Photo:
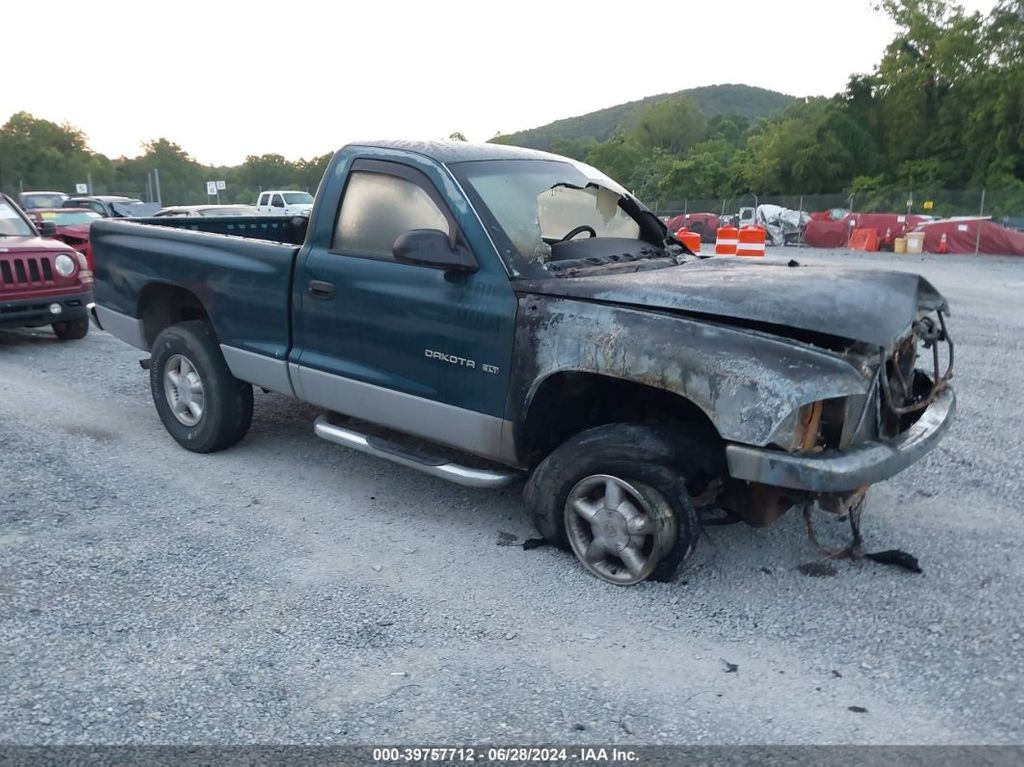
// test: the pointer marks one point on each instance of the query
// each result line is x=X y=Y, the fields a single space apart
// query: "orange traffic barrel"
x=689 y=239
x=751 y=241
x=726 y=241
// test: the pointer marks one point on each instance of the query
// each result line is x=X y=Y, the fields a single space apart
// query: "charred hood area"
x=869 y=306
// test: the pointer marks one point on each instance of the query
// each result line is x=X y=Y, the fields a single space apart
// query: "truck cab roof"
x=461 y=151
x=452 y=152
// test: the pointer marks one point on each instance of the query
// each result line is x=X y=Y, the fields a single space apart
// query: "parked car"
x=484 y=312
x=71 y=225
x=207 y=210
x=42 y=281
x=284 y=203
x=113 y=206
x=30 y=200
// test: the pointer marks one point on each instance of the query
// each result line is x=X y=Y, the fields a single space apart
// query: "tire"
x=216 y=414
x=71 y=330
x=651 y=466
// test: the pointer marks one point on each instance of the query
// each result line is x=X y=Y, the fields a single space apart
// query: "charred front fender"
x=746 y=383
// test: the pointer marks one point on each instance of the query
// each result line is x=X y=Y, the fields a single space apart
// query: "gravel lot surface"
x=291 y=591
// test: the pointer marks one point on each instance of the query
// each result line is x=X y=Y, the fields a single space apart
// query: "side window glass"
x=277 y=202
x=377 y=208
x=263 y=199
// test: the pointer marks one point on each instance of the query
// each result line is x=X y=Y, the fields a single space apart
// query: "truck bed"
x=236 y=267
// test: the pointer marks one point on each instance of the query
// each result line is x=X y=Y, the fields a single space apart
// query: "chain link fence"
x=1005 y=206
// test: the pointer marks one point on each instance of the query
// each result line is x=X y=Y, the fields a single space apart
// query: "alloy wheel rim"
x=617 y=529
x=183 y=389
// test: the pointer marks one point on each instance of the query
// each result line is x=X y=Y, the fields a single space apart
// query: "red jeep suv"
x=42 y=281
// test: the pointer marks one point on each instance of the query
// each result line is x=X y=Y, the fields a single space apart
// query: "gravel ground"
x=290 y=591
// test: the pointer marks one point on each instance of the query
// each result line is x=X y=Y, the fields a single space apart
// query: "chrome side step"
x=435 y=465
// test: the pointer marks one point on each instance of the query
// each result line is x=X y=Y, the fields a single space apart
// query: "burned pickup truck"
x=484 y=313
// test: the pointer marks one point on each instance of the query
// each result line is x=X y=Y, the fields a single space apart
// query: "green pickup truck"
x=485 y=313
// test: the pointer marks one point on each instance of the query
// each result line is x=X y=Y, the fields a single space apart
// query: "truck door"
x=411 y=347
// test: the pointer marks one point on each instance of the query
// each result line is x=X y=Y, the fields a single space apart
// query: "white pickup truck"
x=284 y=202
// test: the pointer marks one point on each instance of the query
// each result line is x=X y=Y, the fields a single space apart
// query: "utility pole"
x=799 y=223
x=981 y=213
x=156 y=183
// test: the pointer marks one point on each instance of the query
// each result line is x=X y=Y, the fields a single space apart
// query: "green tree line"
x=943 y=109
x=37 y=154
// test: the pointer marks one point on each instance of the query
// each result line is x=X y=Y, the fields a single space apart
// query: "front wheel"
x=71 y=330
x=616 y=497
x=201 y=404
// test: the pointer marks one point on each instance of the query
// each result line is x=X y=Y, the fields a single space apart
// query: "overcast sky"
x=225 y=79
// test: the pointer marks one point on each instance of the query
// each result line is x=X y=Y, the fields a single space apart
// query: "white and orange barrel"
x=689 y=239
x=751 y=241
x=726 y=241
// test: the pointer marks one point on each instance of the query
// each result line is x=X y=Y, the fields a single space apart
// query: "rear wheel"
x=201 y=404
x=616 y=497
x=71 y=330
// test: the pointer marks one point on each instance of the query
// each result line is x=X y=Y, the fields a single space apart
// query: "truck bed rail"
x=288 y=229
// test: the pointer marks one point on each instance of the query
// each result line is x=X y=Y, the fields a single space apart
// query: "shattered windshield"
x=134 y=208
x=538 y=202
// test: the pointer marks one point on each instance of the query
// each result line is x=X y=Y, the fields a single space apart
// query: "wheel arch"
x=162 y=304
x=568 y=401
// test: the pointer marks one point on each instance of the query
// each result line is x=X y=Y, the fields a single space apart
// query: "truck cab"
x=284 y=202
x=42 y=281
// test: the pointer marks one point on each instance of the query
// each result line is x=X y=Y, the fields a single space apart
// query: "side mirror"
x=47 y=229
x=432 y=248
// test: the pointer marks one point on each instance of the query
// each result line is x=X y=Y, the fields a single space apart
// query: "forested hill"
x=712 y=100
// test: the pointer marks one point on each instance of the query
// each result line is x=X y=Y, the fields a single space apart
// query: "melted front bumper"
x=840 y=471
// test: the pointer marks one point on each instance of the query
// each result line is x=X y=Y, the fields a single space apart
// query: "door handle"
x=321 y=290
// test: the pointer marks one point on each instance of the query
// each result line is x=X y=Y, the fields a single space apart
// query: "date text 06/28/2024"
x=498 y=754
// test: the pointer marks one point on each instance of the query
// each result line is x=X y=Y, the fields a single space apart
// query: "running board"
x=435 y=465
